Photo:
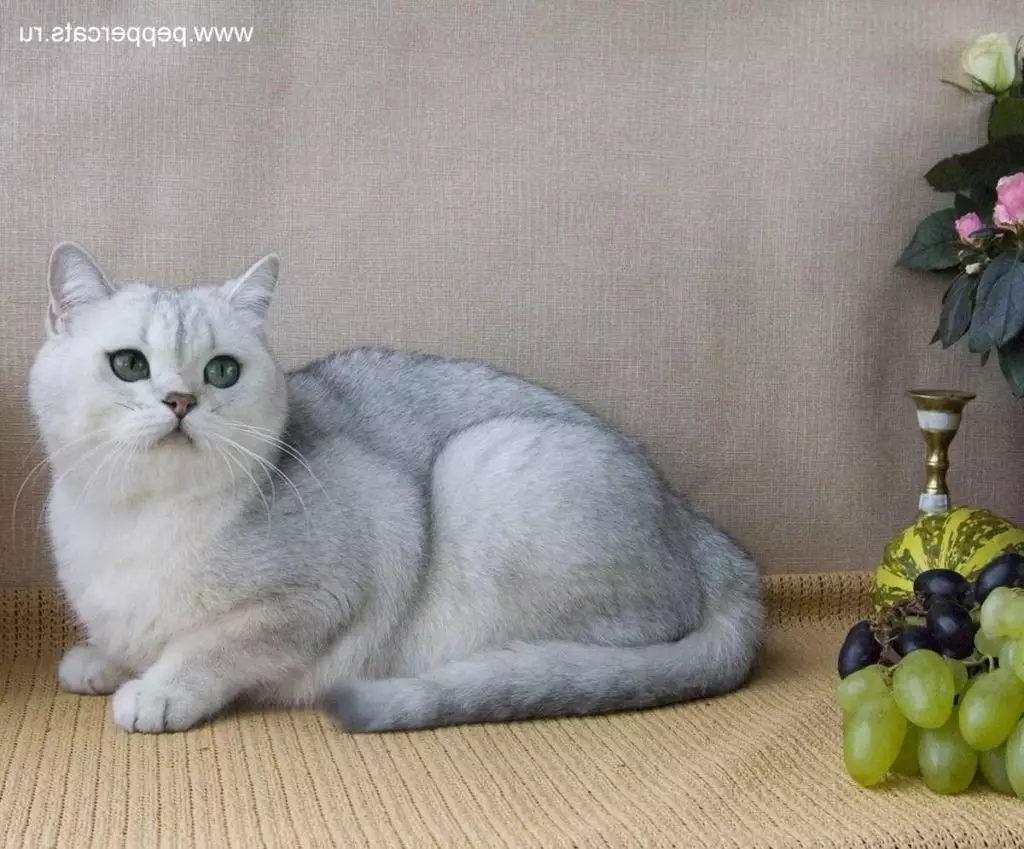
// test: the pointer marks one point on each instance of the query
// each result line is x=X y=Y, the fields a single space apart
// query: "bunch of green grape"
x=935 y=686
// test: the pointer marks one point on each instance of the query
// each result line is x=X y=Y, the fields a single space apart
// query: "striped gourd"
x=964 y=539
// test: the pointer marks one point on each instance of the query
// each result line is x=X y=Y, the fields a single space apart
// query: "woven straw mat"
x=760 y=768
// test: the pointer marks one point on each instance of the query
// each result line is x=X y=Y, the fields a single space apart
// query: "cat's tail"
x=546 y=679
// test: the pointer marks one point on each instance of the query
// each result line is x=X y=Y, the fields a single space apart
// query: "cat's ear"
x=75 y=279
x=254 y=290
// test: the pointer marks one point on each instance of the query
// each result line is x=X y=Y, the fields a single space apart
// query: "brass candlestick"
x=938 y=416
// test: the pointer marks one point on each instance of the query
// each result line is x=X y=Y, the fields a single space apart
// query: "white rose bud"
x=973 y=268
x=990 y=60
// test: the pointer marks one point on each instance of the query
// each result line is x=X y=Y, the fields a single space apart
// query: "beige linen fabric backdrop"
x=684 y=214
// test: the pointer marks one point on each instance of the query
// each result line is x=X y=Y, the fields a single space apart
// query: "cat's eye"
x=223 y=371
x=129 y=365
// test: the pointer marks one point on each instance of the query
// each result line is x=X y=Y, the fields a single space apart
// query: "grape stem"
x=978 y=661
x=913 y=612
x=910 y=611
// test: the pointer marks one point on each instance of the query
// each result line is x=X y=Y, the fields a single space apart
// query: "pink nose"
x=180 y=403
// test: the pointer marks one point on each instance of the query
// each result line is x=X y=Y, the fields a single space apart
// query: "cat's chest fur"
x=132 y=573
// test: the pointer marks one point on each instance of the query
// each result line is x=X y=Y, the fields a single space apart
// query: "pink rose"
x=968 y=225
x=1010 y=201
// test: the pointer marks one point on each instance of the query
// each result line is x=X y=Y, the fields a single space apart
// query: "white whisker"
x=244 y=468
x=127 y=465
x=268 y=438
x=118 y=447
x=49 y=459
x=266 y=464
x=230 y=468
x=86 y=456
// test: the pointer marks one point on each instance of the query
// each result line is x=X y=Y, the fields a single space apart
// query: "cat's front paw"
x=87 y=670
x=152 y=708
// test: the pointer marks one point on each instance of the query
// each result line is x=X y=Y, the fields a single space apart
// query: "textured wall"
x=683 y=213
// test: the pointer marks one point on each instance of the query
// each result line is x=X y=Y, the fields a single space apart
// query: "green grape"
x=863 y=685
x=993 y=611
x=872 y=739
x=986 y=644
x=990 y=710
x=967 y=688
x=960 y=676
x=1015 y=759
x=1017 y=661
x=906 y=760
x=1012 y=618
x=993 y=767
x=924 y=688
x=1009 y=652
x=948 y=764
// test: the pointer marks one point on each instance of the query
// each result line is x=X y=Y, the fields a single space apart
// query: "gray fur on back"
x=587 y=618
x=406 y=407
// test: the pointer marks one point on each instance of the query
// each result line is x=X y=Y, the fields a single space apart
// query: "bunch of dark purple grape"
x=934 y=685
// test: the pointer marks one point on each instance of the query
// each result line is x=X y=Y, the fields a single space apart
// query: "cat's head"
x=140 y=388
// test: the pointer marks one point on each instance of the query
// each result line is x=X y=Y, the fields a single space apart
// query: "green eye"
x=129 y=365
x=223 y=371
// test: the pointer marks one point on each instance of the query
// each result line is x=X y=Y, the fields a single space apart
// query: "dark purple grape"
x=941 y=583
x=951 y=627
x=1007 y=570
x=860 y=649
x=911 y=638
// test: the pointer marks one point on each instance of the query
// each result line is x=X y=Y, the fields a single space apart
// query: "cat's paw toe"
x=150 y=708
x=86 y=670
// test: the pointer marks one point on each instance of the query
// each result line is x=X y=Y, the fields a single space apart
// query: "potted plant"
x=979 y=238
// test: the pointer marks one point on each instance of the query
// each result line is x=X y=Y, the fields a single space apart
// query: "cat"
x=402 y=541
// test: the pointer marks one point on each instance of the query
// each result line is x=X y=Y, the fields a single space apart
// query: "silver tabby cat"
x=404 y=541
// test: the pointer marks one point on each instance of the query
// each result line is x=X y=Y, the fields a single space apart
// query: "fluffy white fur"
x=131 y=518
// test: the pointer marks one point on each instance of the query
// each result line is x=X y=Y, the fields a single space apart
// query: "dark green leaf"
x=999 y=304
x=948 y=176
x=935 y=245
x=945 y=297
x=956 y=311
x=984 y=197
x=984 y=165
x=964 y=204
x=1006 y=118
x=1011 y=363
